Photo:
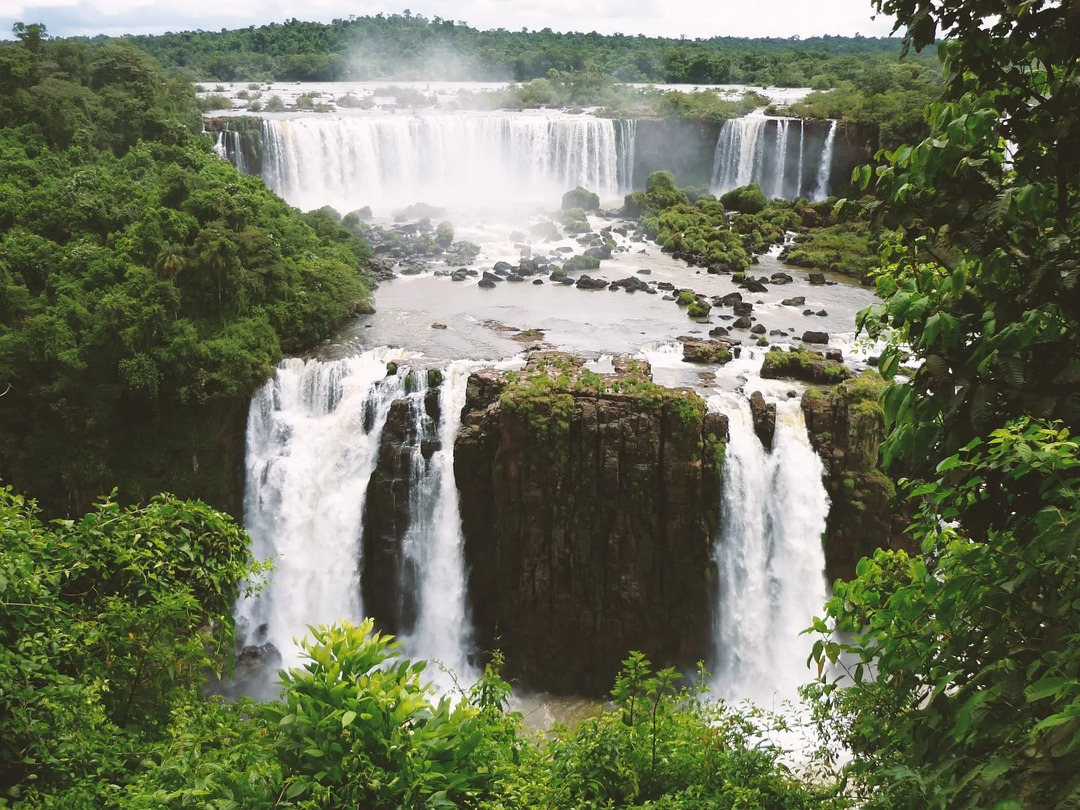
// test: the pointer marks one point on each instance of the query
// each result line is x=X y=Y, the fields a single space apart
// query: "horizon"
x=675 y=19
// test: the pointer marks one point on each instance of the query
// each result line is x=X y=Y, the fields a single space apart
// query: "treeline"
x=146 y=287
x=407 y=46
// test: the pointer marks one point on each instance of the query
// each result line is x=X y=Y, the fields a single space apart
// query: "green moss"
x=800 y=364
x=434 y=378
x=581 y=262
x=686 y=298
x=391 y=368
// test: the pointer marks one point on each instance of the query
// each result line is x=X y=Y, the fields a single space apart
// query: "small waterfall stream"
x=821 y=190
x=769 y=556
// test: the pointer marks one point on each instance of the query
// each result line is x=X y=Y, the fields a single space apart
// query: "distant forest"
x=411 y=46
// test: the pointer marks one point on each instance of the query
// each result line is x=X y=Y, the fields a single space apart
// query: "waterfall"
x=769 y=557
x=445 y=159
x=757 y=149
x=312 y=446
x=433 y=543
x=229 y=146
x=780 y=158
x=312 y=443
x=821 y=190
x=627 y=137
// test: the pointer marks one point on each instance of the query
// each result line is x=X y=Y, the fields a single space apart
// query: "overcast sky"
x=692 y=18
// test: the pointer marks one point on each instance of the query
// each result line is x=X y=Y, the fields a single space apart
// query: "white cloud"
x=691 y=18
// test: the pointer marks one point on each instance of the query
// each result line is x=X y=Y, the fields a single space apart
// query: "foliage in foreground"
x=111 y=624
x=966 y=658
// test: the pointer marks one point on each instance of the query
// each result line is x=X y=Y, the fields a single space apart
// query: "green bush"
x=580 y=198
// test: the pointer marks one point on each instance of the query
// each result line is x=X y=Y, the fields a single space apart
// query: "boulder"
x=815 y=337
x=817 y=279
x=797 y=301
x=742 y=323
x=763 y=415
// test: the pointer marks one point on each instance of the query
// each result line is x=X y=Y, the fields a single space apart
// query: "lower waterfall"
x=312 y=446
x=769 y=557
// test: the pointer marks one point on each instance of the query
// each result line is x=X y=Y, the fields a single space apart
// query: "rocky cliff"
x=588 y=504
x=846 y=425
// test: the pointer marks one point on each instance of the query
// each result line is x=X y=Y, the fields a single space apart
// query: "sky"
x=672 y=18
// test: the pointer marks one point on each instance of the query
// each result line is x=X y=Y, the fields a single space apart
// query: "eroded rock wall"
x=589 y=507
x=846 y=426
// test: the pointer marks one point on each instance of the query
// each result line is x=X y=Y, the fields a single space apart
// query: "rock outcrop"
x=589 y=504
x=846 y=426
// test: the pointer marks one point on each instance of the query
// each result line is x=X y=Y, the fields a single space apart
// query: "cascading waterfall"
x=627 y=144
x=759 y=149
x=446 y=159
x=780 y=157
x=821 y=190
x=769 y=556
x=312 y=443
x=228 y=145
x=740 y=148
x=433 y=543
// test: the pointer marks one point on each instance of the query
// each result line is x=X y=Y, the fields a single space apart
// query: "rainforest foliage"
x=143 y=281
x=966 y=658
x=411 y=46
x=111 y=624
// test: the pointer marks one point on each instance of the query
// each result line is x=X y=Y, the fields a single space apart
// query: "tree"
x=966 y=659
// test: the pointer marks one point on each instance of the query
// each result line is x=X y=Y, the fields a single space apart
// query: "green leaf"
x=347 y=718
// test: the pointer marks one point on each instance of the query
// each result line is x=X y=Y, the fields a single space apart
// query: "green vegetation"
x=112 y=623
x=411 y=46
x=746 y=199
x=800 y=364
x=847 y=247
x=147 y=288
x=964 y=658
x=580 y=198
x=580 y=262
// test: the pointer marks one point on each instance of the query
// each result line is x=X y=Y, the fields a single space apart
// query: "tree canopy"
x=141 y=277
x=966 y=659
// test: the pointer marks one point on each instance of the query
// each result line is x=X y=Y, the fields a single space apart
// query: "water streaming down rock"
x=769 y=557
x=760 y=149
x=312 y=439
x=228 y=145
x=447 y=159
x=433 y=543
x=821 y=189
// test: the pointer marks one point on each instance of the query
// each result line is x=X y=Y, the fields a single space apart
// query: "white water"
x=758 y=149
x=463 y=160
x=821 y=190
x=434 y=543
x=769 y=556
x=312 y=443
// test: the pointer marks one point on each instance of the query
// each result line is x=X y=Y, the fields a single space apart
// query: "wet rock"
x=817 y=279
x=696 y=350
x=755 y=286
x=731 y=299
x=492 y=277
x=743 y=308
x=822 y=313
x=538 y=281
x=742 y=323
x=438 y=325
x=486 y=284
x=763 y=415
x=502 y=268
x=815 y=337
x=758 y=329
x=588 y=283
x=665 y=285
x=719 y=331
x=797 y=301
x=781 y=278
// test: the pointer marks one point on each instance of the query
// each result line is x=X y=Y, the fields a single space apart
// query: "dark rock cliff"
x=588 y=504
x=845 y=424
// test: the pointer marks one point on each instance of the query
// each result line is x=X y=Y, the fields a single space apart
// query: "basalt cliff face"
x=845 y=424
x=589 y=504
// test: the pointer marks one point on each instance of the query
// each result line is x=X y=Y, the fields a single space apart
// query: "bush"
x=580 y=198
x=745 y=199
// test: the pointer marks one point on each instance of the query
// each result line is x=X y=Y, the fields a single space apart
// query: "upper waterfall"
x=456 y=159
x=767 y=151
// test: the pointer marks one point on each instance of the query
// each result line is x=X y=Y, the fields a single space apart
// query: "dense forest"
x=141 y=279
x=408 y=46
x=143 y=282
